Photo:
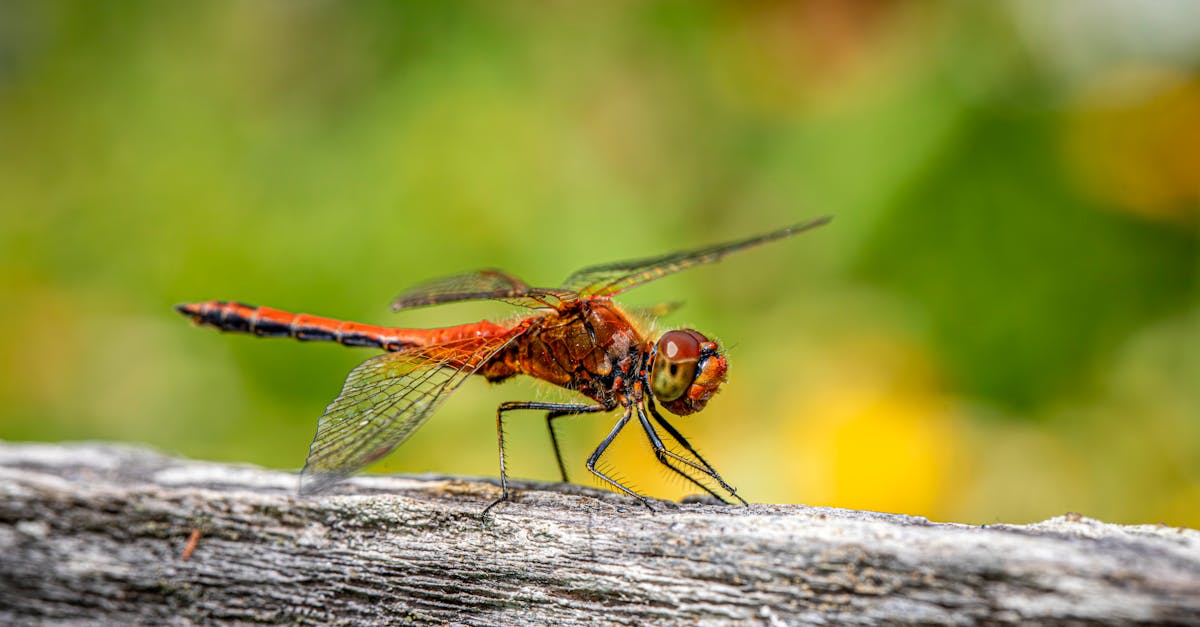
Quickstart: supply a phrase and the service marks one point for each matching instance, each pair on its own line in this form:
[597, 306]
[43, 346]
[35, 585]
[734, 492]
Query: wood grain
[98, 533]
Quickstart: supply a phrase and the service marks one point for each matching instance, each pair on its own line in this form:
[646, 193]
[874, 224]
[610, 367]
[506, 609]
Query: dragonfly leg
[665, 456]
[550, 416]
[678, 437]
[562, 409]
[566, 410]
[595, 456]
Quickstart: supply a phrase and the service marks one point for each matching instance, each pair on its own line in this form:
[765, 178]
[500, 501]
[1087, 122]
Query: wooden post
[118, 535]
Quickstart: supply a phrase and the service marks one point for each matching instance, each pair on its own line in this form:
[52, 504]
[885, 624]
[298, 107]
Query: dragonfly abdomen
[267, 322]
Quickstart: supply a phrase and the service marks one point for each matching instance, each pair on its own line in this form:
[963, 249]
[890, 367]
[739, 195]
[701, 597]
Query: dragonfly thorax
[686, 369]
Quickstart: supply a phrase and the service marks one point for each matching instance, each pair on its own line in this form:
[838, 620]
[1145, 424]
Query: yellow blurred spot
[1133, 139]
[877, 436]
[46, 369]
[1183, 505]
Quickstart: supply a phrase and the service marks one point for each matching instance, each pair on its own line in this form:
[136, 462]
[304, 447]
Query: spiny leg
[560, 408]
[550, 416]
[566, 410]
[664, 456]
[595, 456]
[678, 437]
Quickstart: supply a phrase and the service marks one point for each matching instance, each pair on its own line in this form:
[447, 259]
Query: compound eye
[675, 364]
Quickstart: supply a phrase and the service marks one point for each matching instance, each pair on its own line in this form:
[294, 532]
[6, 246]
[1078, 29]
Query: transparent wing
[656, 311]
[487, 284]
[610, 279]
[385, 399]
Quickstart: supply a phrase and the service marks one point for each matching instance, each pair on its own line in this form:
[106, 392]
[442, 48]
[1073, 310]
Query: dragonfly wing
[610, 279]
[385, 399]
[656, 311]
[648, 316]
[487, 284]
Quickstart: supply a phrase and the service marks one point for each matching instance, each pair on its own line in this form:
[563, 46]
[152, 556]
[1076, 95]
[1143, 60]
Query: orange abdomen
[267, 322]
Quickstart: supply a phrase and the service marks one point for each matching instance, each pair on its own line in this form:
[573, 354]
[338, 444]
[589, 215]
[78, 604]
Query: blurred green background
[1001, 323]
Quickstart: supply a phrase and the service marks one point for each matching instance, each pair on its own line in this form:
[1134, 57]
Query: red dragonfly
[576, 338]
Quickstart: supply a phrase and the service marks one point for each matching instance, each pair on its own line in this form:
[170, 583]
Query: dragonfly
[574, 337]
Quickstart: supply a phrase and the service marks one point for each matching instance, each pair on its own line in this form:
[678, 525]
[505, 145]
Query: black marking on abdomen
[358, 339]
[232, 321]
[270, 328]
[309, 334]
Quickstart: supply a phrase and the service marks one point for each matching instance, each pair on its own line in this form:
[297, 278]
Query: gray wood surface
[98, 533]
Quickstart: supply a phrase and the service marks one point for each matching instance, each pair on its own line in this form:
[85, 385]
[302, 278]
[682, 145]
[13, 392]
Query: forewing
[610, 279]
[656, 311]
[487, 284]
[384, 400]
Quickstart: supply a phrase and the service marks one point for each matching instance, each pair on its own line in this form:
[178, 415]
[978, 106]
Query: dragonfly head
[685, 371]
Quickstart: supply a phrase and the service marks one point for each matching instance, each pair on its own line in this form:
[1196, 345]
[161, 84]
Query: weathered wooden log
[120, 535]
